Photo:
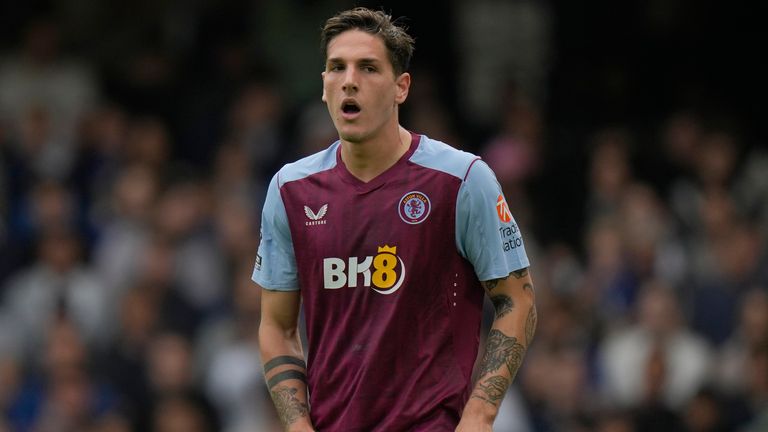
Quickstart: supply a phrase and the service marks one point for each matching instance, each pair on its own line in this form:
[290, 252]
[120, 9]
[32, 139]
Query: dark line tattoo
[491, 284]
[287, 375]
[520, 273]
[502, 304]
[530, 325]
[283, 360]
[289, 407]
[501, 350]
[492, 390]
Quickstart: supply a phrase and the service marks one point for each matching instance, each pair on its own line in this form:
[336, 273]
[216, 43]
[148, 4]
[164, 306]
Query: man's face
[360, 86]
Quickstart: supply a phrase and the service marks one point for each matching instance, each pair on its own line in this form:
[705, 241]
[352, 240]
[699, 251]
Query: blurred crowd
[130, 194]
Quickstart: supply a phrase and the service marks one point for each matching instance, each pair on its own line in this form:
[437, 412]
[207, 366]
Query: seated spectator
[658, 339]
[59, 282]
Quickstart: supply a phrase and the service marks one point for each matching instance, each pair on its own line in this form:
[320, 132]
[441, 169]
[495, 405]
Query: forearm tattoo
[491, 390]
[284, 360]
[289, 407]
[286, 375]
[501, 350]
[502, 304]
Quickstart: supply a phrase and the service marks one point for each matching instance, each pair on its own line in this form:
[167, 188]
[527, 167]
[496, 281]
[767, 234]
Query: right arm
[279, 342]
[281, 351]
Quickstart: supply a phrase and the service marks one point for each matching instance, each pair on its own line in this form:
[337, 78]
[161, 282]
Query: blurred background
[137, 139]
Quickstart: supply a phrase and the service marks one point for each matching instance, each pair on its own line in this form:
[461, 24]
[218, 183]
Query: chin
[354, 139]
[352, 136]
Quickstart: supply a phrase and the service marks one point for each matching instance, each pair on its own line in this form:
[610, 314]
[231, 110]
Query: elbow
[528, 297]
[270, 330]
[287, 332]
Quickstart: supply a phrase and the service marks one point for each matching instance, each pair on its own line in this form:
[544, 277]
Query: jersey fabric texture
[389, 275]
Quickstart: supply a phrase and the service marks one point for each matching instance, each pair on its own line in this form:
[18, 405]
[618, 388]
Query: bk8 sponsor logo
[386, 278]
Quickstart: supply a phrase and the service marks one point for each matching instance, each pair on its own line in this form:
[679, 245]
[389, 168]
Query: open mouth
[350, 107]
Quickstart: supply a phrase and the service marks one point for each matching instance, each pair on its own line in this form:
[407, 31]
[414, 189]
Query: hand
[303, 428]
[468, 424]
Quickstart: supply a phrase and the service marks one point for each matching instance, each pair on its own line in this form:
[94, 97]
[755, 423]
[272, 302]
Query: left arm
[511, 333]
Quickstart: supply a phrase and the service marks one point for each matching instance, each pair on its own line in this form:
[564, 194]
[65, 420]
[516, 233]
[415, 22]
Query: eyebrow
[360, 61]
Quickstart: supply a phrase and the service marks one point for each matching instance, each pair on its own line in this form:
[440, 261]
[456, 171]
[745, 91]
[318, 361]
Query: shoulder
[440, 156]
[310, 165]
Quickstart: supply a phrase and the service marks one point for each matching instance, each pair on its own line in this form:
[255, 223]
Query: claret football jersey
[389, 275]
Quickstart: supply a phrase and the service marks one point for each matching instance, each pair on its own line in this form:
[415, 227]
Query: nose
[350, 81]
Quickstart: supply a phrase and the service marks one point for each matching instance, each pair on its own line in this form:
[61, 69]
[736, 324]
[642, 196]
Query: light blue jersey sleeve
[486, 233]
[275, 267]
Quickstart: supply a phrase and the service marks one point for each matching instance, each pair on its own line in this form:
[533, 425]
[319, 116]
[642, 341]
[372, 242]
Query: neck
[366, 160]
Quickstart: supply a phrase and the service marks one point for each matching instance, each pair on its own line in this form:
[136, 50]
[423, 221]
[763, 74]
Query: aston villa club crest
[414, 207]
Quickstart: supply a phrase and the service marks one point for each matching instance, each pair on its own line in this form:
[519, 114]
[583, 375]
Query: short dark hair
[399, 43]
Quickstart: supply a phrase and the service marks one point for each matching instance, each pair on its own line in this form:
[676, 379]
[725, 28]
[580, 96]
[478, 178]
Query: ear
[403, 83]
[322, 78]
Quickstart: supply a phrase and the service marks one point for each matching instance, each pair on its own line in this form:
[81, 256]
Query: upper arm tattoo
[520, 273]
[491, 284]
[502, 304]
[530, 325]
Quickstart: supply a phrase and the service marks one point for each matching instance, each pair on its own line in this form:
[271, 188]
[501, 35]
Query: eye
[369, 69]
[336, 67]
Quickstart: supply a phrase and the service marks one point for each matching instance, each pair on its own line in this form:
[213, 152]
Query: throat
[368, 160]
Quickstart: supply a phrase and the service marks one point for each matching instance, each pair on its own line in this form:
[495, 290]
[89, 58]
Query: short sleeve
[486, 232]
[275, 267]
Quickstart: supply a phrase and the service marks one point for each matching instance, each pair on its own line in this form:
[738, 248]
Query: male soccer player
[385, 237]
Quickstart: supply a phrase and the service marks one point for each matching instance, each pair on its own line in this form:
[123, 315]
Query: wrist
[305, 427]
[480, 411]
[303, 424]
